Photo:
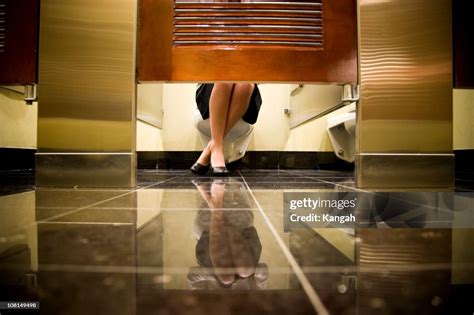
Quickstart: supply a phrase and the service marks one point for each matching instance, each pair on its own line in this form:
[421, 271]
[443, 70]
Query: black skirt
[203, 94]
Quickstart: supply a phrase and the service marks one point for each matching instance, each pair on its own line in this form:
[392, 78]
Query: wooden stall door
[18, 41]
[270, 41]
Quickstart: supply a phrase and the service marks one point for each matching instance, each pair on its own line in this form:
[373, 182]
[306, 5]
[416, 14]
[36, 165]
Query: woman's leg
[239, 104]
[227, 105]
[218, 109]
[236, 108]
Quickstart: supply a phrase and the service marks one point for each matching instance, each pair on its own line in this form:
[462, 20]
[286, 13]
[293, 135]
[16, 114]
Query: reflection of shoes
[199, 169]
[219, 171]
[225, 280]
[202, 184]
[220, 181]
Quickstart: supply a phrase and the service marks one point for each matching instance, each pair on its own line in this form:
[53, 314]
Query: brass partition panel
[405, 110]
[87, 92]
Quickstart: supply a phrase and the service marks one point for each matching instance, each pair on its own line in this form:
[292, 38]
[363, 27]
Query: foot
[217, 156]
[219, 171]
[199, 169]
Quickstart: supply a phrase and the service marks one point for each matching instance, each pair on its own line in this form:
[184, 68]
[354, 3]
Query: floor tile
[186, 244]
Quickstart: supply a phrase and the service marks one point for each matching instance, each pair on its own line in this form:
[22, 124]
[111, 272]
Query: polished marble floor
[183, 244]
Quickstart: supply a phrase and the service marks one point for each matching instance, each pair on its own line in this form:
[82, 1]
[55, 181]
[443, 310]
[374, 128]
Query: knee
[224, 86]
[245, 88]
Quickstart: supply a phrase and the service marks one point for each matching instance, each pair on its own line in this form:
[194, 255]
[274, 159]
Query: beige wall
[18, 121]
[463, 119]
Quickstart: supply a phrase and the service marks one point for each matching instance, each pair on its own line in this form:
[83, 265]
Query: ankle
[217, 147]
[209, 145]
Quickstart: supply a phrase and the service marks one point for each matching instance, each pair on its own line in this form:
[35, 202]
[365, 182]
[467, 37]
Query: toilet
[235, 142]
[341, 130]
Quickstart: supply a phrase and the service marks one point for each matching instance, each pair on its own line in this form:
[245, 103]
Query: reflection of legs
[204, 190]
[241, 253]
[230, 253]
[219, 250]
[229, 248]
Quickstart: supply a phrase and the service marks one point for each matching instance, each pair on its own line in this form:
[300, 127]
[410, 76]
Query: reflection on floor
[181, 244]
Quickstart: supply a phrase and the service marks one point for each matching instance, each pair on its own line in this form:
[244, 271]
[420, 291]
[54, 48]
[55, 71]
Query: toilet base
[236, 141]
[341, 130]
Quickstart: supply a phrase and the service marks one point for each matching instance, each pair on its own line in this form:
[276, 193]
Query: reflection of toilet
[341, 129]
[235, 142]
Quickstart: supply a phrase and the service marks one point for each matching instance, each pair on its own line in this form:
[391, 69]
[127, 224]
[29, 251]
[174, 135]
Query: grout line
[373, 192]
[186, 190]
[378, 268]
[147, 208]
[88, 223]
[307, 287]
[327, 182]
[103, 201]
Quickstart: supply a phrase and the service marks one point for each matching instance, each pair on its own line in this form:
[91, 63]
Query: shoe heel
[219, 171]
[199, 169]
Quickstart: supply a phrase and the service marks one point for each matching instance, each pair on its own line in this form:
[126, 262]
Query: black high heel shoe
[199, 169]
[219, 171]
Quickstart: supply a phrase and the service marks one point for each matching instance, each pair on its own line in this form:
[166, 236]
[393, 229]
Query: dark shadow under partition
[464, 162]
[252, 160]
[464, 169]
[17, 159]
[24, 159]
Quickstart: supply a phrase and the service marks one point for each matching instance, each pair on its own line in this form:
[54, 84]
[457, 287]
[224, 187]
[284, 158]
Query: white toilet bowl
[235, 142]
[341, 129]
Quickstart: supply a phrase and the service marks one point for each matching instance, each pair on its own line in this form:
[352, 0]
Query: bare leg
[205, 155]
[238, 100]
[218, 111]
[239, 104]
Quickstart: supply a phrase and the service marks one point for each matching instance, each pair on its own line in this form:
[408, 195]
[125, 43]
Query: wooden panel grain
[155, 40]
[335, 61]
[272, 5]
[19, 56]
